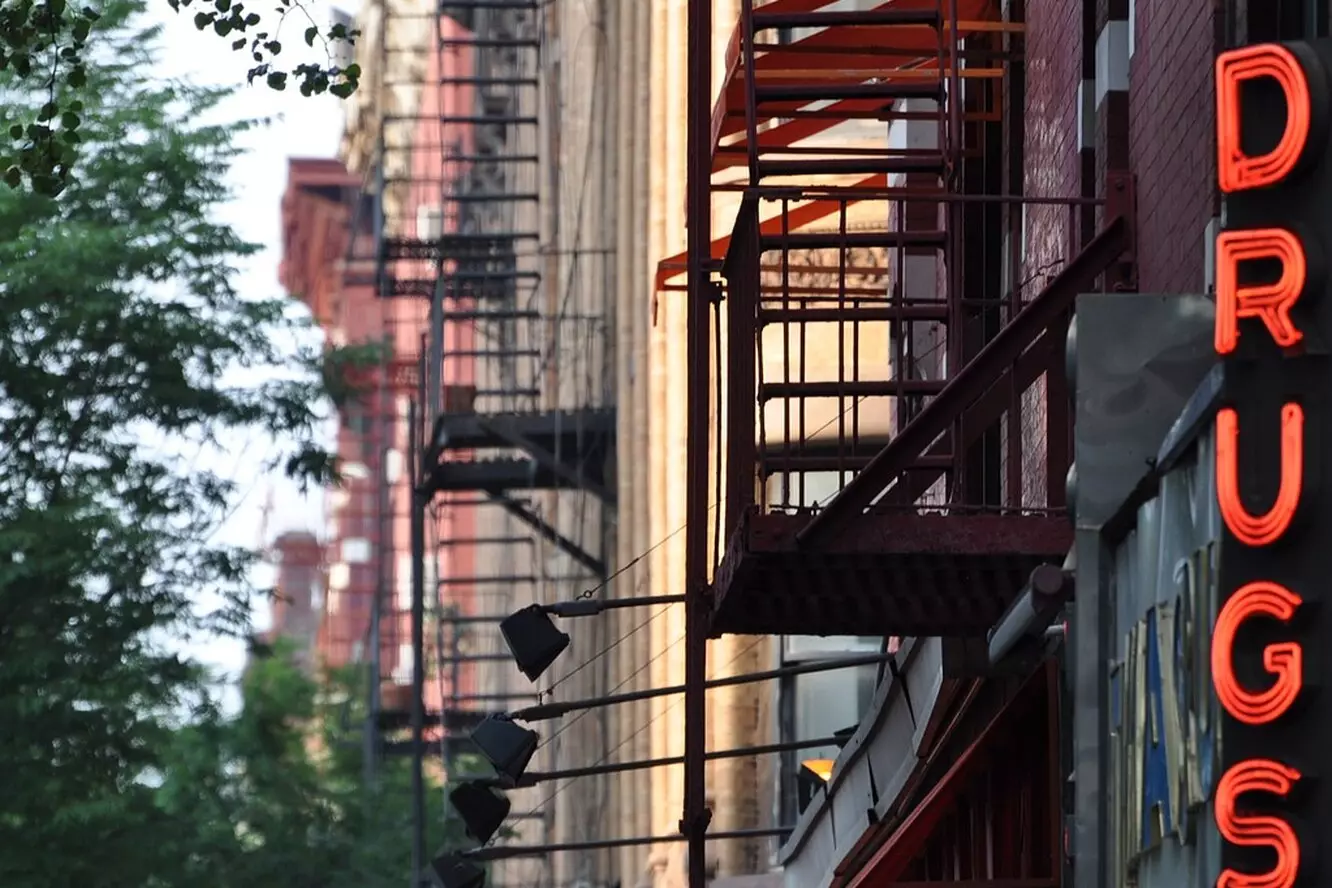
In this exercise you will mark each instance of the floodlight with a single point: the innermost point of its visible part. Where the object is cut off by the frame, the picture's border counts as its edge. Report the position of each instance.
(453, 871)
(482, 810)
(507, 745)
(533, 640)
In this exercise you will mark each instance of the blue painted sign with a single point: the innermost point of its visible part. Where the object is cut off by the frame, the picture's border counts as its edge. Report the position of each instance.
(1163, 719)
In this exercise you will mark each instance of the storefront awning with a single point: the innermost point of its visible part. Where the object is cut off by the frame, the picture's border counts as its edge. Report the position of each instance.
(896, 853)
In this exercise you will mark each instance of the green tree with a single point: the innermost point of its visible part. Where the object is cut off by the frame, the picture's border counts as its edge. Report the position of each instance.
(51, 47)
(122, 336)
(276, 796)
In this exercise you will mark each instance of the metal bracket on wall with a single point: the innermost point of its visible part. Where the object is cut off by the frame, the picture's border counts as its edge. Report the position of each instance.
(1121, 200)
(544, 457)
(566, 545)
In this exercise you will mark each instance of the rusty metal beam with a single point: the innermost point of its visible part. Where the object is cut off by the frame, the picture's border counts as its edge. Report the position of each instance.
(696, 815)
(983, 413)
(848, 388)
(741, 270)
(969, 384)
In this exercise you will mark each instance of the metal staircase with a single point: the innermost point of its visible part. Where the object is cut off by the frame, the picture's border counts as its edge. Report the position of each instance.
(897, 419)
(478, 348)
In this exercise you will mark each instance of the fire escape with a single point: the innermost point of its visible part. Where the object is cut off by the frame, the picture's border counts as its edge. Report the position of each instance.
(896, 415)
(890, 374)
(494, 437)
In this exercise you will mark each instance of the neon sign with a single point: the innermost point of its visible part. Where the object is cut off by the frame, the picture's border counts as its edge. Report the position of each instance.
(1268, 281)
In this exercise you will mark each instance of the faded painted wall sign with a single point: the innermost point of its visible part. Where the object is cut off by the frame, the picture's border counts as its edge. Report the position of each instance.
(1163, 718)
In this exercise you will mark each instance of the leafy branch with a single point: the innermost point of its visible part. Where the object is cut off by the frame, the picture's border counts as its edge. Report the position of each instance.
(46, 45)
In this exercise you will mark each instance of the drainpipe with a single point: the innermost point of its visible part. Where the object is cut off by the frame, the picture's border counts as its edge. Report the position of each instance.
(1031, 612)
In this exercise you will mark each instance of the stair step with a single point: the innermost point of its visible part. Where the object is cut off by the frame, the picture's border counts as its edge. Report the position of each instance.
(447, 6)
(816, 240)
(516, 315)
(780, 464)
(814, 92)
(425, 287)
(835, 18)
(867, 314)
(486, 158)
(493, 197)
(492, 42)
(772, 391)
(473, 119)
(469, 280)
(489, 81)
(867, 166)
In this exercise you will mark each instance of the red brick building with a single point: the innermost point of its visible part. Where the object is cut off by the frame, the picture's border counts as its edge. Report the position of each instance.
(299, 594)
(329, 263)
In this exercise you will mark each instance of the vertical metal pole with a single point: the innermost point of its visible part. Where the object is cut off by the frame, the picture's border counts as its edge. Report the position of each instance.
(694, 824)
(386, 423)
(435, 352)
(418, 505)
(374, 655)
(455, 682)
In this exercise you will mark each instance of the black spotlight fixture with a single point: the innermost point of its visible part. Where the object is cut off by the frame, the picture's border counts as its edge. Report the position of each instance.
(452, 871)
(482, 809)
(533, 640)
(507, 745)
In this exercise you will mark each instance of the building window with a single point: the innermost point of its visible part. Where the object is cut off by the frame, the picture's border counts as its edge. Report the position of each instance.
(355, 418)
(404, 582)
(803, 489)
(356, 550)
(819, 704)
(402, 673)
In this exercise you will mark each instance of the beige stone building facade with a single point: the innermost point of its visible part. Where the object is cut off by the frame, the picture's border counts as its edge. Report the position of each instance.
(609, 99)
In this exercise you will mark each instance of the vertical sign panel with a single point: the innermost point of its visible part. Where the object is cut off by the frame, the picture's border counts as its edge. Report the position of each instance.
(1273, 329)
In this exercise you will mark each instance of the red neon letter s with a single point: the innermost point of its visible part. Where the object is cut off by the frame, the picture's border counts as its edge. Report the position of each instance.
(1236, 170)
(1270, 303)
(1284, 660)
(1265, 529)
(1258, 775)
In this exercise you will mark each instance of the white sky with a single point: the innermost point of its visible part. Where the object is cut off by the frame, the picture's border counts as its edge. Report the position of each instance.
(302, 127)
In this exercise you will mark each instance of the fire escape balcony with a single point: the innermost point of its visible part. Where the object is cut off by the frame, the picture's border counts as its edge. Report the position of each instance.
(539, 450)
(895, 422)
(500, 454)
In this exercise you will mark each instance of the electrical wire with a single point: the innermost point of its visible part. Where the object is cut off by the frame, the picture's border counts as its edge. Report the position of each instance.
(568, 723)
(639, 558)
(584, 184)
(639, 732)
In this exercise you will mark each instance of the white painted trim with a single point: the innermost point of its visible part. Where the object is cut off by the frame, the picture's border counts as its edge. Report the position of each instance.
(1087, 104)
(1132, 27)
(339, 576)
(404, 582)
(356, 550)
(402, 673)
(884, 746)
(1210, 231)
(1112, 55)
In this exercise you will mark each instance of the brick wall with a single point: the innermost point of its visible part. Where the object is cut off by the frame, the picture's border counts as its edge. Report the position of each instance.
(1054, 54)
(1171, 143)
(1054, 72)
